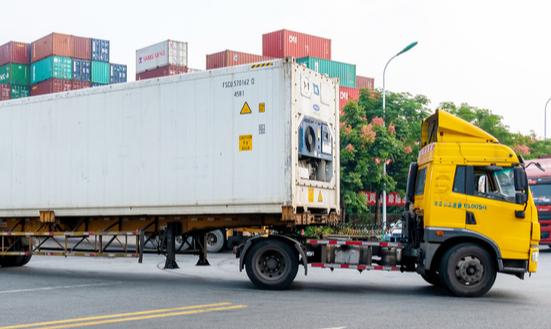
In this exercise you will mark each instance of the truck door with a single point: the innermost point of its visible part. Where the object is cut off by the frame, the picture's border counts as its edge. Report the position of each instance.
(490, 210)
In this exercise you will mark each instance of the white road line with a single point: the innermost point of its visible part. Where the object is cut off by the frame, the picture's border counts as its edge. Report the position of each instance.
(335, 328)
(15, 291)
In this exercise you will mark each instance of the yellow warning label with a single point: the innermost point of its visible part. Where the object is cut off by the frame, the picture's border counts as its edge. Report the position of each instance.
(320, 197)
(245, 142)
(310, 194)
(246, 109)
(262, 107)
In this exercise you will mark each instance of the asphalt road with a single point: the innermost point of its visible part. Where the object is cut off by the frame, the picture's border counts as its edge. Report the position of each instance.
(120, 293)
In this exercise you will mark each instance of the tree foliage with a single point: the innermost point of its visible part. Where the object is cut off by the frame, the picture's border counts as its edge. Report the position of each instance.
(368, 137)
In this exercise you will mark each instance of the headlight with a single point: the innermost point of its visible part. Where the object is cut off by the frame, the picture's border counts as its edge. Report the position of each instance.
(535, 255)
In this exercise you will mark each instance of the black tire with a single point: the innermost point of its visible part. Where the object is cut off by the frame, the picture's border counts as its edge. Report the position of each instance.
(21, 244)
(432, 278)
(216, 240)
(271, 264)
(467, 270)
(14, 261)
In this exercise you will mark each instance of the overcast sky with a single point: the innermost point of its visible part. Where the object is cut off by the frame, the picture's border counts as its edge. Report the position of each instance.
(493, 54)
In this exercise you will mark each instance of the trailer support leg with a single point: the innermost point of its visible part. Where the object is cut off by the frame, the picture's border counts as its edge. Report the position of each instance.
(201, 243)
(171, 229)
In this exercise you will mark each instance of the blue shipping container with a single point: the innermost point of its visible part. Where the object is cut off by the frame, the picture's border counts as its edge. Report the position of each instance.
(118, 73)
(81, 70)
(100, 50)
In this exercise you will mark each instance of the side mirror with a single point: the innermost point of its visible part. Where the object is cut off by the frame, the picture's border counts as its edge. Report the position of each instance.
(521, 197)
(521, 181)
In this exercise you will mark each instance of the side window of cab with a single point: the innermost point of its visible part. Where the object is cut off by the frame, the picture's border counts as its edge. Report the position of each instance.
(420, 181)
(490, 182)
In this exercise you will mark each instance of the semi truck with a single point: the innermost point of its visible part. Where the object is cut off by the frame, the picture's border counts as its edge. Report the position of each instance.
(250, 146)
(539, 178)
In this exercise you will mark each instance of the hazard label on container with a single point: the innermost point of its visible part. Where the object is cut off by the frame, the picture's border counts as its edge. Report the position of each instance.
(310, 194)
(245, 142)
(246, 109)
(262, 107)
(320, 197)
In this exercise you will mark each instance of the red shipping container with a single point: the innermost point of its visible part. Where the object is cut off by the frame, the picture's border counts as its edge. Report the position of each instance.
(82, 48)
(286, 43)
(347, 94)
(162, 72)
(15, 52)
(365, 82)
(4, 92)
(51, 86)
(230, 58)
(77, 84)
(54, 44)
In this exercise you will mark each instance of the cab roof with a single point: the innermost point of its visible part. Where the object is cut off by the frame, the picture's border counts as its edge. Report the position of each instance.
(446, 128)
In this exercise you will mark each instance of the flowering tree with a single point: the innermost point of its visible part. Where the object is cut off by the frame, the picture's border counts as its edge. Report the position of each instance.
(367, 140)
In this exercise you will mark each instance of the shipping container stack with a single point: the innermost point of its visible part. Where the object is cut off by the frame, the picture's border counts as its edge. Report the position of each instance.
(315, 53)
(14, 70)
(62, 62)
(165, 58)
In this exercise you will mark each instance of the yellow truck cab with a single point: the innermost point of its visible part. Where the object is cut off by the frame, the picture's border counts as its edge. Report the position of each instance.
(470, 212)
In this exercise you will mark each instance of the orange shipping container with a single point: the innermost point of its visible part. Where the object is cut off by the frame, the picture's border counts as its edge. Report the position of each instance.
(229, 58)
(347, 94)
(82, 48)
(285, 43)
(54, 44)
(365, 82)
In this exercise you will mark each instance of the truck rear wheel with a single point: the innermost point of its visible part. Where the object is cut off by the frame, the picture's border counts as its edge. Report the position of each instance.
(467, 270)
(271, 264)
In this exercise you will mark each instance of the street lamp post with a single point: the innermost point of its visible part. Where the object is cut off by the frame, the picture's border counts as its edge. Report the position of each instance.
(407, 48)
(545, 119)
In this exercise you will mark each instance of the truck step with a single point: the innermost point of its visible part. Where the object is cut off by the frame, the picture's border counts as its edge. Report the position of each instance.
(359, 267)
(314, 242)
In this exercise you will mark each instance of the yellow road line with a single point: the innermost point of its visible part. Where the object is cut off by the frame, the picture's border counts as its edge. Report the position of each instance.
(110, 316)
(146, 317)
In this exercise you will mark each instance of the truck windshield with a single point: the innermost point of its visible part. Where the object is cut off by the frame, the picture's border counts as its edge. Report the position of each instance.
(541, 193)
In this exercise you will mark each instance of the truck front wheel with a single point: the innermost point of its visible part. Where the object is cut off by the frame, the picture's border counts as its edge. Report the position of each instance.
(432, 277)
(271, 264)
(467, 270)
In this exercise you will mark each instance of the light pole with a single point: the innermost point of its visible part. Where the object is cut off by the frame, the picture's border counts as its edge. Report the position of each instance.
(545, 119)
(407, 48)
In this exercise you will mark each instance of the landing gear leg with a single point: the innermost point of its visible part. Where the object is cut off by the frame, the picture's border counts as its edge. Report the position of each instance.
(171, 231)
(201, 244)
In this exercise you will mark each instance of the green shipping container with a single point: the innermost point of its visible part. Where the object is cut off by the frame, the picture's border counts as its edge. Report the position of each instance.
(18, 91)
(52, 67)
(345, 72)
(100, 72)
(14, 74)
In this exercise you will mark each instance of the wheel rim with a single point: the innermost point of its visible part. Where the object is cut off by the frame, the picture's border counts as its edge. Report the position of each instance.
(212, 239)
(469, 270)
(270, 265)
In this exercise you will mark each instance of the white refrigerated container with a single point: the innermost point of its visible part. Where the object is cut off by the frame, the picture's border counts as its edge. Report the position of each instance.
(240, 140)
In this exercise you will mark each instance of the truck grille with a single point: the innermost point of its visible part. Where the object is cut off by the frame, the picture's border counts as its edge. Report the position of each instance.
(544, 235)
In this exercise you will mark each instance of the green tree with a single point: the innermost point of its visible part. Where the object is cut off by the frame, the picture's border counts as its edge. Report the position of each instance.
(367, 140)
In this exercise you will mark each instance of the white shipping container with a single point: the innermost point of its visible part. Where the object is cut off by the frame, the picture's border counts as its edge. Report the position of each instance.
(240, 140)
(161, 54)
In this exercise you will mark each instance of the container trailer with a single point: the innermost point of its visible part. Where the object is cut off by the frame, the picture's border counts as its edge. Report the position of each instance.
(245, 146)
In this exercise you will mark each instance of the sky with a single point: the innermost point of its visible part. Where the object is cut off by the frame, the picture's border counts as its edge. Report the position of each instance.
(490, 54)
